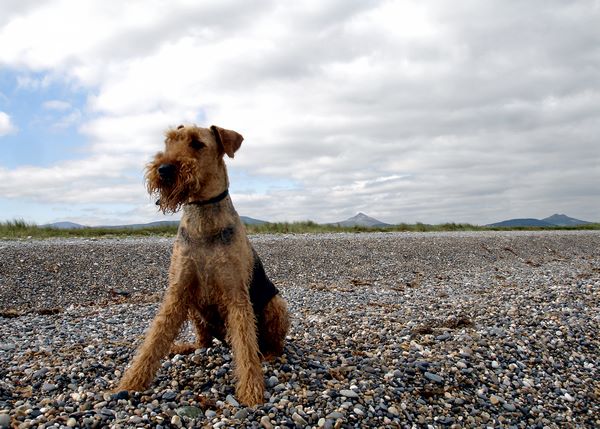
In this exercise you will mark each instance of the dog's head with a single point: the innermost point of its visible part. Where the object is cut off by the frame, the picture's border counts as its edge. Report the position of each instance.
(191, 167)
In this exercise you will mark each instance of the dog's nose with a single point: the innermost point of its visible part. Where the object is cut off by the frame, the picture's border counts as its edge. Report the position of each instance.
(166, 171)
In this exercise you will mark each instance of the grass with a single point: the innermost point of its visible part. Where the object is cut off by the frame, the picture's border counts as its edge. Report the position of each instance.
(17, 229)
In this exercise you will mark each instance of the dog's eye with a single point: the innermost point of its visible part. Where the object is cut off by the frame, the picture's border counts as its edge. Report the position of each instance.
(196, 144)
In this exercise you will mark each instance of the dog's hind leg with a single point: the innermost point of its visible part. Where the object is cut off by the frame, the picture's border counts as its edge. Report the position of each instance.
(204, 335)
(273, 325)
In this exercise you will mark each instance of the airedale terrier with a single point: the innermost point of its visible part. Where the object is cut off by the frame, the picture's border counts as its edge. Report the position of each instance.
(216, 278)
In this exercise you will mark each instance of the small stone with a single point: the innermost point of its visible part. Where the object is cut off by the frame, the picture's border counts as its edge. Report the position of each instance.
(4, 421)
(335, 415)
(176, 420)
(169, 395)
(434, 377)
(494, 400)
(241, 414)
(509, 407)
(123, 394)
(210, 414)
(272, 381)
(71, 422)
(49, 387)
(189, 411)
(321, 422)
(495, 364)
(393, 411)
(265, 422)
(298, 419)
(40, 373)
(569, 397)
(231, 401)
(461, 364)
(348, 393)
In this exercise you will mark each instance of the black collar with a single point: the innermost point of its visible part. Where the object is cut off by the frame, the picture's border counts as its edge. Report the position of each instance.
(212, 200)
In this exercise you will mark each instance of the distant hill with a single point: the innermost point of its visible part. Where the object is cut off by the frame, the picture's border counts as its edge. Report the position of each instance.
(554, 220)
(564, 220)
(361, 219)
(64, 225)
(161, 223)
(522, 222)
(251, 221)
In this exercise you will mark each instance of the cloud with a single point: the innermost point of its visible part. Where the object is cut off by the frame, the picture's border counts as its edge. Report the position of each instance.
(6, 125)
(59, 105)
(405, 110)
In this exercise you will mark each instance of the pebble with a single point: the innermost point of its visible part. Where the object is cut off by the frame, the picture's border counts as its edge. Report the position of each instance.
(434, 377)
(241, 414)
(348, 393)
(232, 401)
(388, 329)
(4, 421)
(189, 411)
(299, 419)
(265, 422)
(49, 387)
(509, 407)
(393, 411)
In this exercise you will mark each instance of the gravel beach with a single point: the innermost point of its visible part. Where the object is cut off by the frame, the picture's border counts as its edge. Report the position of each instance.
(468, 329)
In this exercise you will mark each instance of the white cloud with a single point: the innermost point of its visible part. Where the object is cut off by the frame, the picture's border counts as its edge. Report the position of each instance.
(59, 105)
(406, 110)
(6, 125)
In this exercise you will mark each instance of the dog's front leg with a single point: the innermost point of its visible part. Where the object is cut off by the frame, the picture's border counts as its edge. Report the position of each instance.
(163, 331)
(241, 333)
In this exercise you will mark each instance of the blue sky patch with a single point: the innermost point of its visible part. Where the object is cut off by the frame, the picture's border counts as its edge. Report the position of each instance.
(46, 113)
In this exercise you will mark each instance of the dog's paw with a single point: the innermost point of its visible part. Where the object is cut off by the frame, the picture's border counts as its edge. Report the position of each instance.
(132, 383)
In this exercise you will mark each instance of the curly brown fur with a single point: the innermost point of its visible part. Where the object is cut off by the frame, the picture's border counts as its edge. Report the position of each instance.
(211, 266)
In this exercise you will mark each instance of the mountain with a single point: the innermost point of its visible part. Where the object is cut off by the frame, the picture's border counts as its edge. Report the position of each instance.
(362, 219)
(521, 222)
(161, 223)
(564, 220)
(64, 225)
(251, 221)
(554, 220)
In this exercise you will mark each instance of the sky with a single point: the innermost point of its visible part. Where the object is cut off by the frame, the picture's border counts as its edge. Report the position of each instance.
(431, 111)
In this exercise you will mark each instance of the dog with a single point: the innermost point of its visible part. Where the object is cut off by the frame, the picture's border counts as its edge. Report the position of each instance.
(216, 278)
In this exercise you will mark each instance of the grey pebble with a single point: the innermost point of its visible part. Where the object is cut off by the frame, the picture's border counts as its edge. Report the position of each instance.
(241, 414)
(265, 422)
(189, 411)
(232, 401)
(272, 381)
(509, 407)
(299, 419)
(49, 387)
(4, 421)
(348, 393)
(169, 395)
(434, 377)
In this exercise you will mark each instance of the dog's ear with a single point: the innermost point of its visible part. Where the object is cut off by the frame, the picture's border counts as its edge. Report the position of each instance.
(230, 141)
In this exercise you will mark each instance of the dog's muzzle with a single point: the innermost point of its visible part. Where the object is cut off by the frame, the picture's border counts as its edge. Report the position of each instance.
(167, 172)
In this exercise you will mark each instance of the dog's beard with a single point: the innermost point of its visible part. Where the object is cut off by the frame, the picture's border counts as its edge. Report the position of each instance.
(173, 193)
(170, 199)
